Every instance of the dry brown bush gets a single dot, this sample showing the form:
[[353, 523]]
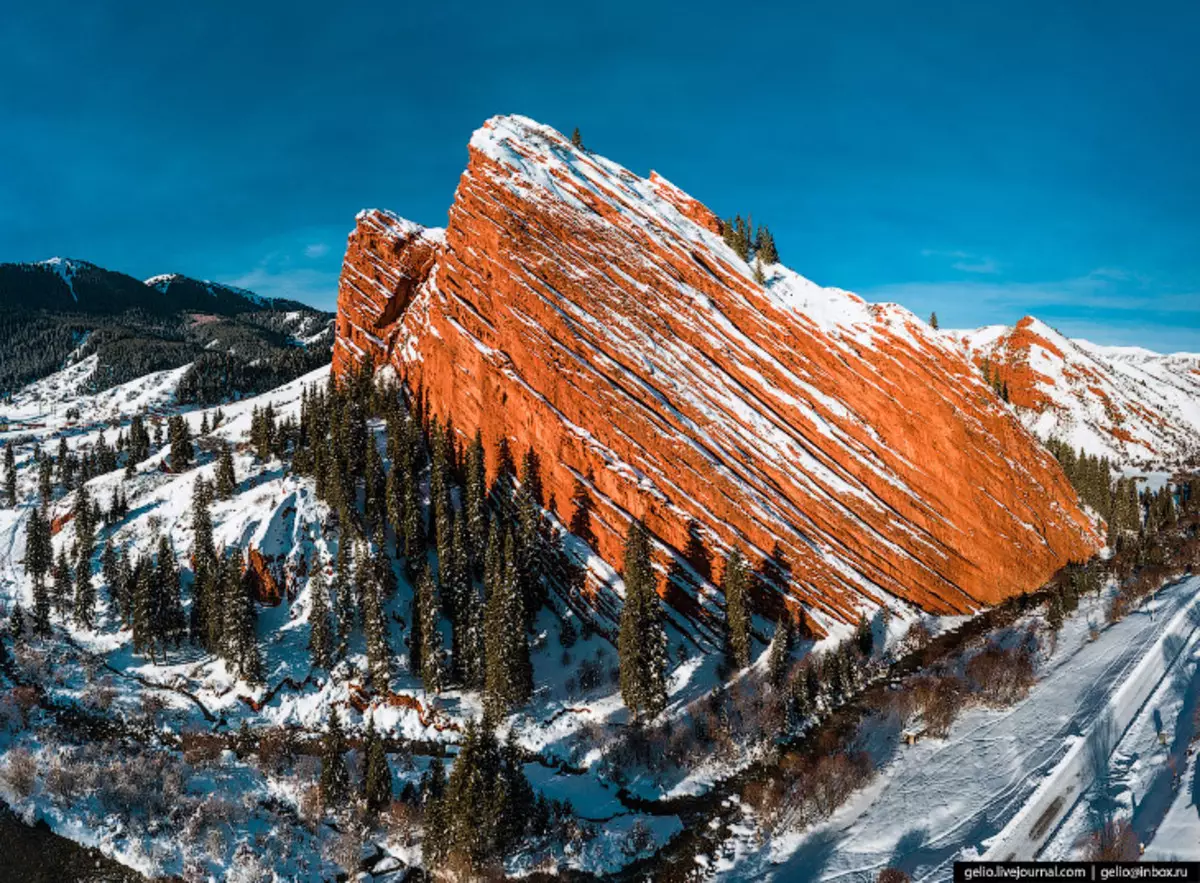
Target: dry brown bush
[[403, 821], [64, 779], [892, 875], [1116, 841], [1002, 676], [940, 697], [20, 771], [201, 748]]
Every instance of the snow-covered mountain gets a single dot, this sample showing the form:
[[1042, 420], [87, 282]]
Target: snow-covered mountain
[[1135, 406], [71, 285]]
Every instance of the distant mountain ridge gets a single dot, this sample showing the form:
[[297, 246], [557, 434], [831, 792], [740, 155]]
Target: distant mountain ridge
[[62, 311], [76, 286], [1135, 406]]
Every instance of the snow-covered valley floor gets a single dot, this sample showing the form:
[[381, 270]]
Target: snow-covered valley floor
[[944, 800]]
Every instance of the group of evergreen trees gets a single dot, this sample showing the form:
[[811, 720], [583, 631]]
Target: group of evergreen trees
[[749, 243], [993, 378], [478, 559], [1114, 499]]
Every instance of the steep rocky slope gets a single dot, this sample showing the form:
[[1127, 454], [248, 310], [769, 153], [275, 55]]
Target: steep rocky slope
[[1135, 406], [599, 317]]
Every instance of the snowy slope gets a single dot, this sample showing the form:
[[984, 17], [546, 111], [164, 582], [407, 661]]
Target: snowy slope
[[959, 798], [1137, 407]]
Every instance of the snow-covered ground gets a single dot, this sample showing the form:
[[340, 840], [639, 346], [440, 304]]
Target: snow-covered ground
[[939, 801]]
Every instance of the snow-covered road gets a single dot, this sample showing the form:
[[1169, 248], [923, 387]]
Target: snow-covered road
[[939, 801]]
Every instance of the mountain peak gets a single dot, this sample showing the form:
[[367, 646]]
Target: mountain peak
[[599, 318]]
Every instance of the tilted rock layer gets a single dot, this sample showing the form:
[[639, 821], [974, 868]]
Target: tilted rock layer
[[599, 318], [1129, 404]]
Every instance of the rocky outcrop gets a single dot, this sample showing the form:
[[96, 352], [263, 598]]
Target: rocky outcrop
[[265, 585], [599, 318]]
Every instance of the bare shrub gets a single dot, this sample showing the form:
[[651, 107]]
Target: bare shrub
[[64, 781], [345, 850], [20, 771], [201, 748], [835, 777], [892, 875], [274, 747], [100, 694], [26, 700], [916, 638], [310, 807], [1116, 841], [940, 698], [403, 821], [1001, 676]]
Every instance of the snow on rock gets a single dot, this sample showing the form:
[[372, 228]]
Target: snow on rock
[[1137, 407], [597, 316]]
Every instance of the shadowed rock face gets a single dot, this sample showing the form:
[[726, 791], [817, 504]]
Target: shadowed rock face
[[599, 318]]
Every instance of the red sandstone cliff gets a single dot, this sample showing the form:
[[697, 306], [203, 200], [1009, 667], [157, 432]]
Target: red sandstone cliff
[[598, 316]]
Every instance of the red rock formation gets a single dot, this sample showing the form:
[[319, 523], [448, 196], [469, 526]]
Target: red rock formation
[[598, 317], [264, 584]]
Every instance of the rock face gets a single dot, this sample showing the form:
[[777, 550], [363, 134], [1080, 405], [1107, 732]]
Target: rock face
[[1137, 407], [571, 306]]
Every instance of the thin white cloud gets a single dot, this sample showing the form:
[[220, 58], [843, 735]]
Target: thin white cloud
[[316, 250], [965, 261]]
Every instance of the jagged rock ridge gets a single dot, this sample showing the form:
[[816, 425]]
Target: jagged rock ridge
[[598, 317]]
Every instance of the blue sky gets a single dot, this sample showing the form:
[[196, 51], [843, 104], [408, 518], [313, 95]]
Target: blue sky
[[981, 160]]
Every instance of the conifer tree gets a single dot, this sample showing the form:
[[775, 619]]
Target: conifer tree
[[736, 586], [457, 594], [375, 501], [240, 629], [180, 439], [63, 585], [206, 604], [335, 775], [933, 321], [509, 677], [581, 514], [45, 481], [767, 252], [641, 642], [38, 551], [377, 775], [320, 639], [226, 479], [144, 637], [10, 476], [430, 636], [16, 622], [41, 609], [124, 587], [577, 139], [864, 638], [111, 572], [475, 494], [85, 594], [343, 597], [169, 621], [379, 654], [780, 654]]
